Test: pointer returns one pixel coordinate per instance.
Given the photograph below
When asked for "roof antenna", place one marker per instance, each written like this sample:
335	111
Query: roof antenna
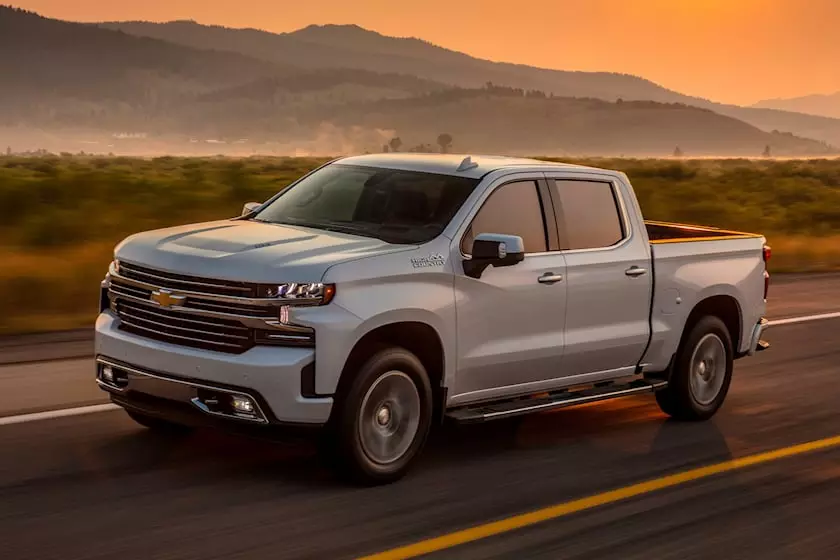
467	164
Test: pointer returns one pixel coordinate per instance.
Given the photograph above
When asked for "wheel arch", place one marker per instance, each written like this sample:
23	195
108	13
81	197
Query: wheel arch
418	337
723	306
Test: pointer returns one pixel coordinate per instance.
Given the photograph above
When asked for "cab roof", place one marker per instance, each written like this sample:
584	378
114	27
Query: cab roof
462	165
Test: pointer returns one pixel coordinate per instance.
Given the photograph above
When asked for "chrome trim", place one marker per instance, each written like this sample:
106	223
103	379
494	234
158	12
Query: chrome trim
247	320
257	302
301	337
130	369
130	268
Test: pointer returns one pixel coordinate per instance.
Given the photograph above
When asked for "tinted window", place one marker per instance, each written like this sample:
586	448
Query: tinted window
513	209
397	206
590	214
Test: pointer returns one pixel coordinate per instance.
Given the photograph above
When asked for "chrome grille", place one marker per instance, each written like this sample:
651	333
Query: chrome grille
199	315
185	329
187	283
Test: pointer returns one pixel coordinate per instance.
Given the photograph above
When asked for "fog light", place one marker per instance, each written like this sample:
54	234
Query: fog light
243	404
108	374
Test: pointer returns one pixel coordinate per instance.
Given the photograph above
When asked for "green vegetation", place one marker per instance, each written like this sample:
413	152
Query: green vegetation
60	217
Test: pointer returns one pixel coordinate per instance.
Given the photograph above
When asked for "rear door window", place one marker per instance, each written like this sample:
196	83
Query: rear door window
589	214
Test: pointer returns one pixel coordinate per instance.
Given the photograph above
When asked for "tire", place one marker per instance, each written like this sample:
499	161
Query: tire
158	425
382	420
702	373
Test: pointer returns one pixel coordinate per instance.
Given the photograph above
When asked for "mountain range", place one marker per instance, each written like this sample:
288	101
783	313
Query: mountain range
343	88
826	105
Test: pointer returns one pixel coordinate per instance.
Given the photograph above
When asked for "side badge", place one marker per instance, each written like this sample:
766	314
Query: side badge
424	262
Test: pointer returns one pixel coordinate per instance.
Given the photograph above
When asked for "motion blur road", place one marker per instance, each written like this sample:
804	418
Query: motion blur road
98	486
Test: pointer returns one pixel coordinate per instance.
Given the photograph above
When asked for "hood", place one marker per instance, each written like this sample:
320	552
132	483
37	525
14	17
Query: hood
249	251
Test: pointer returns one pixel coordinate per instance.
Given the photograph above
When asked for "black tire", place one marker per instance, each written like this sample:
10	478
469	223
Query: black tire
158	425
689	395
359	418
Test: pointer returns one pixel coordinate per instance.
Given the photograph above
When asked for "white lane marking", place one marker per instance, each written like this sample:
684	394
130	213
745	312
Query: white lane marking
61	413
805	319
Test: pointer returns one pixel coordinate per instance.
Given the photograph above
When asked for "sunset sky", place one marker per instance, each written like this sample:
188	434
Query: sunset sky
735	51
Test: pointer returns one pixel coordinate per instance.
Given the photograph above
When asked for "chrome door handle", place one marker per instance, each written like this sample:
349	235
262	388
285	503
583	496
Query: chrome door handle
635	271
550	278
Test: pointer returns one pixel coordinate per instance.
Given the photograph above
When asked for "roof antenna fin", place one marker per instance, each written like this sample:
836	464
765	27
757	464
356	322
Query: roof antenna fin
467	164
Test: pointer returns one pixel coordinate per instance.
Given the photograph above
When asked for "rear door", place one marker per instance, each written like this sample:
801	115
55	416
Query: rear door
510	320
608	276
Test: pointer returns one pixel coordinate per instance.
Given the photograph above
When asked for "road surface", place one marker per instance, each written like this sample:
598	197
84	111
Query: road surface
98	486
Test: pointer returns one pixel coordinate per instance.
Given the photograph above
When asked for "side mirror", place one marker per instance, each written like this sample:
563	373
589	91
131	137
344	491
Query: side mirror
250	207
494	249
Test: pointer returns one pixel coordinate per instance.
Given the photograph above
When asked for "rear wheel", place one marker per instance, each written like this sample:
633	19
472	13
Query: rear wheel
382	420
702	373
158	425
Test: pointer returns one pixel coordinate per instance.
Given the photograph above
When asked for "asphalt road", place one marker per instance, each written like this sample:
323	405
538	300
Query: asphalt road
97	486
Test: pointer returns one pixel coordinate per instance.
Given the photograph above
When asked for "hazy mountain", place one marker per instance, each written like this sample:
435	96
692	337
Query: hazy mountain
82	81
350	46
493	120
827	105
56	58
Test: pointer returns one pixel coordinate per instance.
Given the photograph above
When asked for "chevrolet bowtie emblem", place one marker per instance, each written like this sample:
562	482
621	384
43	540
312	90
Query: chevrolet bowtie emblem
165	298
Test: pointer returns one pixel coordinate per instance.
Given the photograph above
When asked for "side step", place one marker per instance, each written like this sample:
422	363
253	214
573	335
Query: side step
558	399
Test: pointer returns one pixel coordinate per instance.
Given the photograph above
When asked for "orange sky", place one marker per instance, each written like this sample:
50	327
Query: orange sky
736	51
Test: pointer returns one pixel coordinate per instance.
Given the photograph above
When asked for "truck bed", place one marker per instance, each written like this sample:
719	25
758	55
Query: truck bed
665	232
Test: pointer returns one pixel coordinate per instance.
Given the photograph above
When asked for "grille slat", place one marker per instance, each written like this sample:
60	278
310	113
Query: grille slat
124	290
237	309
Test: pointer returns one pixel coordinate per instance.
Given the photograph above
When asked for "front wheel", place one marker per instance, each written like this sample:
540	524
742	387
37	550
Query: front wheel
383	419
702	373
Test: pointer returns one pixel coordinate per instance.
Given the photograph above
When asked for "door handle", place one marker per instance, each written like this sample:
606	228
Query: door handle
635	271
550	278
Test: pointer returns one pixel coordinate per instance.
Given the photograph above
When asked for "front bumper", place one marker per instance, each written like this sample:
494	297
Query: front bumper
160	375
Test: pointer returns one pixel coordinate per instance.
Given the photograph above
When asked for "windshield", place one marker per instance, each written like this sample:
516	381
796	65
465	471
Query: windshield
393	205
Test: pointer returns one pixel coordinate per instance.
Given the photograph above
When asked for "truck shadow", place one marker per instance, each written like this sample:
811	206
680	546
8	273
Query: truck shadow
629	430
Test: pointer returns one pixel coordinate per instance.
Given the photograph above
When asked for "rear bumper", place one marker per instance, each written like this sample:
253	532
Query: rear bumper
756	344
162	378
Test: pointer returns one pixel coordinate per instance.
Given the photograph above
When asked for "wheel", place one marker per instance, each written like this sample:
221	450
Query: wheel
702	373
158	425
382	420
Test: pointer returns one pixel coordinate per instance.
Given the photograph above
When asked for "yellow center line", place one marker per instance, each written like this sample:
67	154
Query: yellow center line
559	510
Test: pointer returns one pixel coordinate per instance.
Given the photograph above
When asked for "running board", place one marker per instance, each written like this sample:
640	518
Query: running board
556	400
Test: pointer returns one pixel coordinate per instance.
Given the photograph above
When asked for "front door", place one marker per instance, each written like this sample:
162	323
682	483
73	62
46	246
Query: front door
510	320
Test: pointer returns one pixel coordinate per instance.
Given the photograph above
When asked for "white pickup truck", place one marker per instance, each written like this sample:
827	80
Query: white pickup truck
381	294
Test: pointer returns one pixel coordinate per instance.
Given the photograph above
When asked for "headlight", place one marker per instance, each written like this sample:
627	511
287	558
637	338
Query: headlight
306	293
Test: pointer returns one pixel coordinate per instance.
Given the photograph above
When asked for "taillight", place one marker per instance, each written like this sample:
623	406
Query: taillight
766	253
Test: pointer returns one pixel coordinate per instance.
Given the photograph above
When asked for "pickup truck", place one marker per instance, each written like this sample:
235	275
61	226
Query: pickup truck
381	295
